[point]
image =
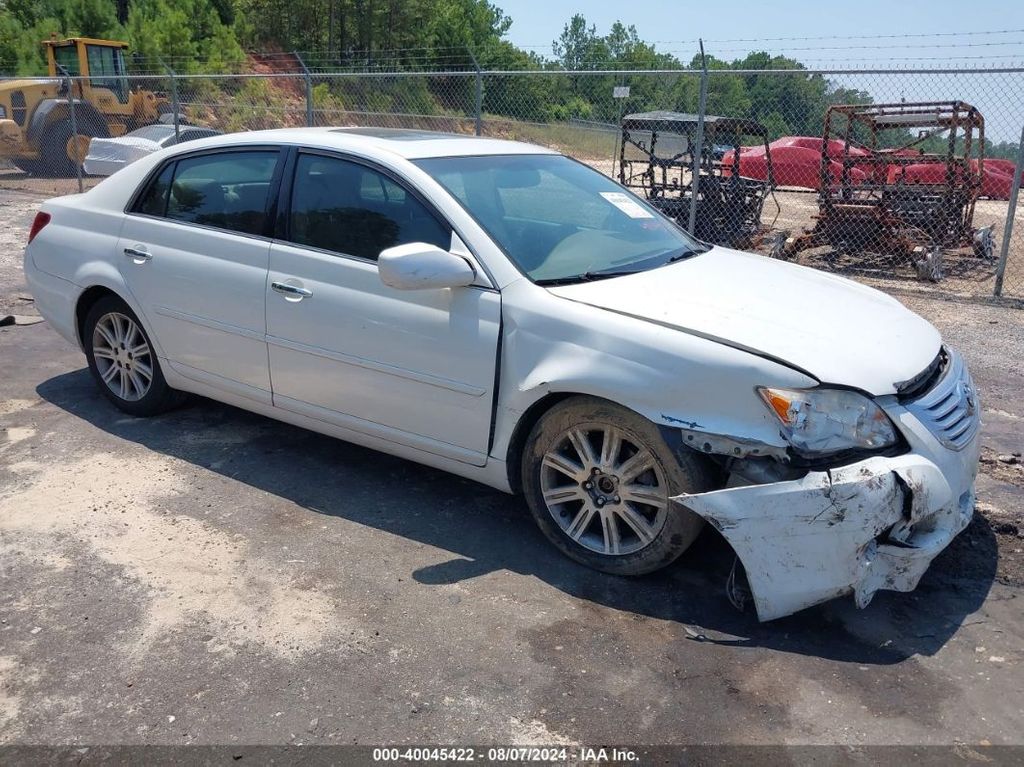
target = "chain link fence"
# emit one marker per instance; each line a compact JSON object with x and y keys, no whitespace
{"x":878,"y":175}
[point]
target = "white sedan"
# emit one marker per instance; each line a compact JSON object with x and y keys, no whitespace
{"x":106,"y":156}
{"x":510,"y":315}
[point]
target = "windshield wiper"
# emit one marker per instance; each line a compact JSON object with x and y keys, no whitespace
{"x":685,"y":253}
{"x":602,"y":274}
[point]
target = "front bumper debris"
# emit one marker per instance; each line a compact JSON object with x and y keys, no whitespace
{"x":876,"y":524}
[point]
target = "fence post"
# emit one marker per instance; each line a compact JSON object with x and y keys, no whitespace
{"x":698,"y":152}
{"x":479,"y":100}
{"x":74,"y":129}
{"x":309,"y":88}
{"x":618,"y":126}
{"x":1011,"y":211}
{"x":175,"y":105}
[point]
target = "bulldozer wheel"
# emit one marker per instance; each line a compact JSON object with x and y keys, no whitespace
{"x":61,"y":151}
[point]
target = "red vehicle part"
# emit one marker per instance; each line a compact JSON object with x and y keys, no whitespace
{"x":996,"y":176}
{"x":796,"y":162}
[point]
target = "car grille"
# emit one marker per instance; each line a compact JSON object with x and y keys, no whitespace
{"x":950,"y":408}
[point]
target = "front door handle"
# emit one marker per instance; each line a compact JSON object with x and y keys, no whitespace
{"x":137,"y":255}
{"x":291,"y":292}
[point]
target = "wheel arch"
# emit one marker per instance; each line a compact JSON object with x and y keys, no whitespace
{"x":98,"y":287}
{"x":50,"y":111}
{"x":530,"y":417}
{"x":86,"y":301}
{"x":543,"y":405}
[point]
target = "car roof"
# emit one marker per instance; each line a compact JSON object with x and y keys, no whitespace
{"x":410,"y":144}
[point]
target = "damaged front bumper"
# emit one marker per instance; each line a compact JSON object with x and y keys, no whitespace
{"x":872,"y":525}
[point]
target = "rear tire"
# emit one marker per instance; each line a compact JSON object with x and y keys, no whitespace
{"x":598,"y":479}
{"x":122,"y":360}
{"x":57,"y":147}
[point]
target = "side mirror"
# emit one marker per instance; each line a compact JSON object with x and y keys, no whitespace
{"x":419,"y":266}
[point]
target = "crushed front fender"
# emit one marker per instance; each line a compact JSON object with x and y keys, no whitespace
{"x":876,"y":524}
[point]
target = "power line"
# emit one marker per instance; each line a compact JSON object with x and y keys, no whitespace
{"x":627,"y":64}
{"x":870,"y":37}
{"x":885,"y":47}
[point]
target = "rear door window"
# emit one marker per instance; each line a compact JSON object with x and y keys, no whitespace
{"x":227,"y":190}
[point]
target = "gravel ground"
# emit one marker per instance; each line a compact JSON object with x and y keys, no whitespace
{"x":211,"y":576}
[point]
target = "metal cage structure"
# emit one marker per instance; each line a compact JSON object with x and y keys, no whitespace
{"x":901,"y":180}
{"x":657,"y":156}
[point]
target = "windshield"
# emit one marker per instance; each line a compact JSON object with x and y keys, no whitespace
{"x":559,"y":220}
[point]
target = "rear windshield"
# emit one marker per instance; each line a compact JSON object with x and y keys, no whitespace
{"x":153,"y":132}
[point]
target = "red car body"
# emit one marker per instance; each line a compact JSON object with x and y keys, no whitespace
{"x":796,"y":162}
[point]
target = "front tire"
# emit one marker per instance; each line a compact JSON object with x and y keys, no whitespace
{"x":122,"y":360}
{"x":598,"y":479}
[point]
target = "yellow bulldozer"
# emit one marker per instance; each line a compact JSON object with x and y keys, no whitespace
{"x":35,"y":115}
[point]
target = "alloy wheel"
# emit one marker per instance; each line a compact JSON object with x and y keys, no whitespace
{"x":604,"y":490}
{"x":123,"y":357}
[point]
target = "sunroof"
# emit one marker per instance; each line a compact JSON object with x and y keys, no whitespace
{"x":400,"y":134}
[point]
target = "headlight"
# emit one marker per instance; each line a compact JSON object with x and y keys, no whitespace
{"x":820,"y":421}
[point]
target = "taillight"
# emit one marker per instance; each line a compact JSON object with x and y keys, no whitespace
{"x":42,"y":219}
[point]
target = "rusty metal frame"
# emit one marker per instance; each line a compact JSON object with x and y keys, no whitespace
{"x":674,"y":198}
{"x":873,"y":208}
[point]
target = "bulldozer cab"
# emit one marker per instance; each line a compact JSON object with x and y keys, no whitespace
{"x":101,"y":62}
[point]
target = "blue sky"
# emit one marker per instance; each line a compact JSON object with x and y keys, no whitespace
{"x":896,"y":26}
{"x":538,"y":22}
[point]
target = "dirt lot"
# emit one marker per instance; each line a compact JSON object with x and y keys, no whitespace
{"x":211,"y":576}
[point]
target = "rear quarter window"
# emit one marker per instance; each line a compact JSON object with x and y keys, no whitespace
{"x":153,"y":201}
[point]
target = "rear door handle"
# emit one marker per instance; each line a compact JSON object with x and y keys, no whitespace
{"x":291,"y":292}
{"x":138,"y":256}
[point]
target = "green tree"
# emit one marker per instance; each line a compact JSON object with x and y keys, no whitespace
{"x":187,"y":35}
{"x":93,"y":18}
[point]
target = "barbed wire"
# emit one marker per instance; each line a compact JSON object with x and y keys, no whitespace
{"x":806,"y":38}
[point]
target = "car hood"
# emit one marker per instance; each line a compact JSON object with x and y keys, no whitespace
{"x":836,"y":330}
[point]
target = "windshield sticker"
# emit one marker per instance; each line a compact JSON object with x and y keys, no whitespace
{"x":627,"y":204}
